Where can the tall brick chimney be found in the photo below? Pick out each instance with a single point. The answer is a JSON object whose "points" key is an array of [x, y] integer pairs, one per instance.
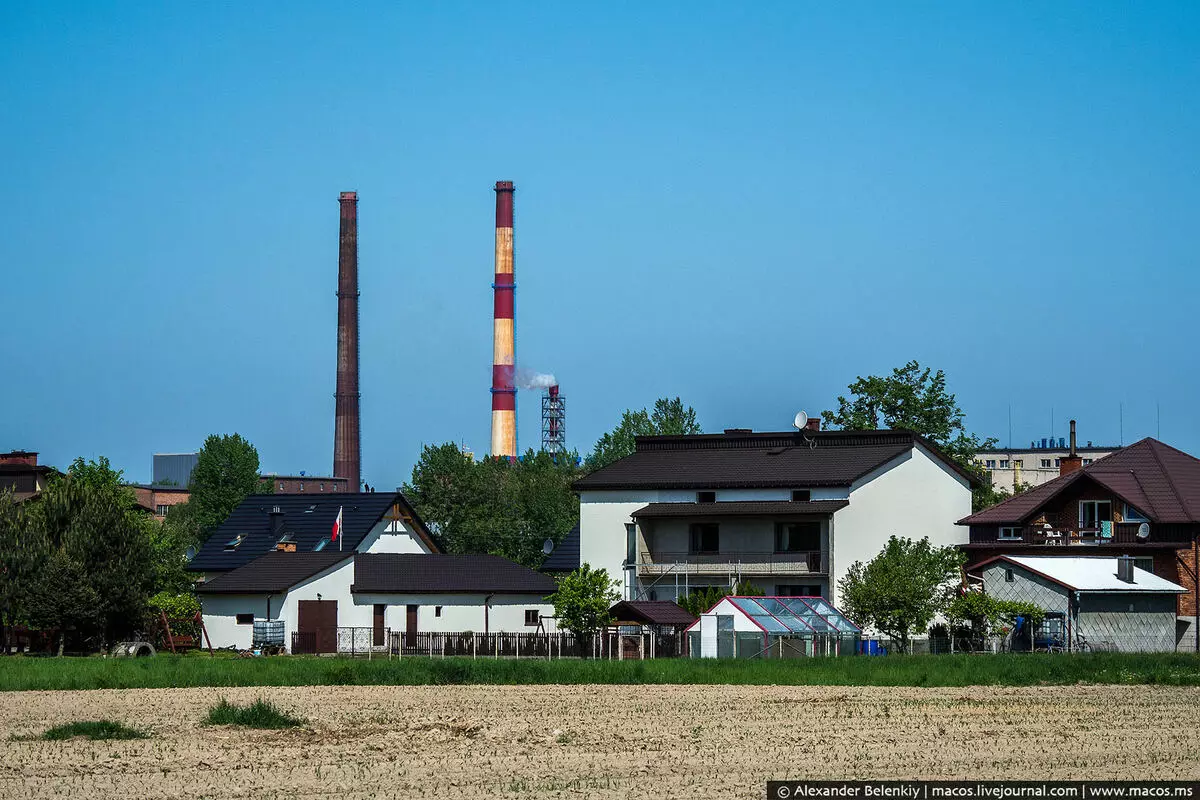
{"points": [[347, 449], [1072, 461]]}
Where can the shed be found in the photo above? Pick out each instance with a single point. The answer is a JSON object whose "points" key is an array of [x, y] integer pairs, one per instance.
{"points": [[1092, 602], [772, 627]]}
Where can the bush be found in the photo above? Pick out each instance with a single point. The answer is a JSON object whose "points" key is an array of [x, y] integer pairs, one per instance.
{"points": [[99, 729], [259, 714]]}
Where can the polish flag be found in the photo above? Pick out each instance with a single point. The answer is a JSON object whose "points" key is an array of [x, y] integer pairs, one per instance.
{"points": [[337, 529]]}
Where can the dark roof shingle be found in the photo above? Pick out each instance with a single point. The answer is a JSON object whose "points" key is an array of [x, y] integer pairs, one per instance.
{"points": [[1160, 481], [273, 573], [651, 612], [741, 460], [309, 518], [404, 573], [565, 557]]}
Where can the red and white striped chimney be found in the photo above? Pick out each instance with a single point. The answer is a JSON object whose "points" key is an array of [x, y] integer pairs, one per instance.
{"points": [[504, 394]]}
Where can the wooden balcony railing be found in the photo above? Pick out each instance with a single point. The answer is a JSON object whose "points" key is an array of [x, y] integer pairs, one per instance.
{"points": [[1123, 533]]}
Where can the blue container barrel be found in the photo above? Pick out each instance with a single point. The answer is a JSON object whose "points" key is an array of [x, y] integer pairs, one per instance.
{"points": [[869, 647]]}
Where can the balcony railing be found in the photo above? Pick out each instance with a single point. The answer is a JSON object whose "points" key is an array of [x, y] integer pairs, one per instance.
{"points": [[808, 562], [1122, 533]]}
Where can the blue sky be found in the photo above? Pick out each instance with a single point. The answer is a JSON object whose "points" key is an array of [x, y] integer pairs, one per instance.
{"points": [[746, 205]]}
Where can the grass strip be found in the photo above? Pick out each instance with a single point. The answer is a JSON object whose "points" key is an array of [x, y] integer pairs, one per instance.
{"points": [[103, 729]]}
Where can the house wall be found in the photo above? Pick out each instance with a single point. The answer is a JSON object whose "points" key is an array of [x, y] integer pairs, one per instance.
{"points": [[913, 496], [392, 537], [602, 519], [708, 626], [460, 612], [738, 535], [1026, 587], [1127, 621], [220, 617]]}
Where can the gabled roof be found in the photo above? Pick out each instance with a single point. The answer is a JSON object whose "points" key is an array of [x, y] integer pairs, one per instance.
{"points": [[309, 518], [1156, 479], [651, 612], [1087, 573], [565, 557], [743, 508], [273, 573], [405, 573], [795, 459]]}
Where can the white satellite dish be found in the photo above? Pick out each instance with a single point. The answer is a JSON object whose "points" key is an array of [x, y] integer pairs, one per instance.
{"points": [[189, 554], [800, 421], [548, 547], [1143, 531]]}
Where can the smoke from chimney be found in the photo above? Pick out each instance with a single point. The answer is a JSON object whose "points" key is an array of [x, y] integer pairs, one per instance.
{"points": [[347, 448], [526, 379]]}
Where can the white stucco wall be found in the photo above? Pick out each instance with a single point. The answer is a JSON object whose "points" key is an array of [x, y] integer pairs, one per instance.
{"points": [[913, 496], [602, 519], [392, 537]]}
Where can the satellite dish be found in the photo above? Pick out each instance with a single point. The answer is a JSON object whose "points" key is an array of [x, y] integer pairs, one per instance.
{"points": [[190, 553], [548, 546], [800, 421], [1143, 531]]}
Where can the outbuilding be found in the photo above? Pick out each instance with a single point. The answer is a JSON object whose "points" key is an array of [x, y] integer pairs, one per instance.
{"points": [[772, 627], [1091, 602]]}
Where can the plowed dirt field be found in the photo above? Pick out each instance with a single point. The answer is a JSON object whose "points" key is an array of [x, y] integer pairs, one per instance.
{"points": [[591, 741]]}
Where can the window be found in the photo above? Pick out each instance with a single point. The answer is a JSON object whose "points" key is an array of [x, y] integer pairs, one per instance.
{"points": [[302, 487], [1093, 512], [630, 544], [797, 537], [1010, 533], [1008, 576], [532, 617], [1045, 463], [437, 611], [1004, 463], [801, 495], [161, 510], [799, 590], [990, 463], [281, 486], [706, 497], [233, 543], [1018, 463], [245, 619], [1087, 461], [1131, 514], [1057, 462], [321, 545], [322, 487], [705, 537]]}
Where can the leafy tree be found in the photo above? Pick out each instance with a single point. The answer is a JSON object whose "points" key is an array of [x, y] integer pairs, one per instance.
{"points": [[989, 616], [915, 398], [22, 552], [506, 507], [583, 599], [169, 542], [901, 590], [226, 473], [64, 600], [669, 418], [701, 600]]}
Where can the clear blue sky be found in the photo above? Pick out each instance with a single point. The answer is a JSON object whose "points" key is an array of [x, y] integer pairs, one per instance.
{"points": [[746, 205]]}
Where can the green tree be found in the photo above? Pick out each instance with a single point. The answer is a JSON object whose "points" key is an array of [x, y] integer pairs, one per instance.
{"points": [[701, 600], [988, 616], [506, 507], [670, 417], [226, 473], [583, 599], [901, 590], [22, 555], [170, 541], [915, 398]]}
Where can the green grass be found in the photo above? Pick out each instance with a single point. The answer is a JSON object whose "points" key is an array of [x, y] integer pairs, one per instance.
{"points": [[99, 729], [259, 714], [1174, 669]]}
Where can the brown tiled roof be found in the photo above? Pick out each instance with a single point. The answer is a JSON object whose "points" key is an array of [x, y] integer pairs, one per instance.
{"points": [[651, 612], [747, 508], [1158, 480], [404, 573], [275, 572], [794, 459]]}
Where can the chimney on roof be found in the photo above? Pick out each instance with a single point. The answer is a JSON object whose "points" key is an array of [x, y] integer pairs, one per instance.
{"points": [[276, 526], [813, 424], [1071, 462], [19, 457], [1125, 569]]}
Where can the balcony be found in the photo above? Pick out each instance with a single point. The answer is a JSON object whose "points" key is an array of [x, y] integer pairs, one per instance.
{"points": [[1076, 535], [813, 562]]}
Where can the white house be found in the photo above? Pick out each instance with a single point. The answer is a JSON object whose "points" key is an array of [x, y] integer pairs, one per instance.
{"points": [[275, 559], [788, 512]]}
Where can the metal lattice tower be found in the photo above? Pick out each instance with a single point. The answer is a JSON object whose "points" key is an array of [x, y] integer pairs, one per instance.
{"points": [[554, 421]]}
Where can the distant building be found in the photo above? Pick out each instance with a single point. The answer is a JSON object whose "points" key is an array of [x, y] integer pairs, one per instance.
{"points": [[159, 499], [307, 484], [1036, 464], [174, 469], [21, 474]]}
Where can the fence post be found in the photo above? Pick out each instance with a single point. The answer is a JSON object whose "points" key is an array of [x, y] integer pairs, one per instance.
{"points": [[518, 645], [473, 640]]}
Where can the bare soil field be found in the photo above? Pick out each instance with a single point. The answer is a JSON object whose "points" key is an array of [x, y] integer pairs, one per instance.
{"points": [[591, 741]]}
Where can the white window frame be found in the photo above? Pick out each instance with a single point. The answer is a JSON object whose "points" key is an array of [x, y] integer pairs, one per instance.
{"points": [[1045, 464], [990, 463], [1004, 463], [1010, 537], [1083, 503]]}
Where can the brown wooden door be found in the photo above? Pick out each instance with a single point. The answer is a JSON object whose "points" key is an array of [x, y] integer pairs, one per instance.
{"points": [[318, 619], [377, 626], [410, 629]]}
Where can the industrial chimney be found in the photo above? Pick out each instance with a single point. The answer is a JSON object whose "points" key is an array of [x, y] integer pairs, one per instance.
{"points": [[347, 449], [504, 394], [1071, 462]]}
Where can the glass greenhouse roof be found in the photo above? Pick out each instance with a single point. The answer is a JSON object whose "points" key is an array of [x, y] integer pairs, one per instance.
{"points": [[798, 615]]}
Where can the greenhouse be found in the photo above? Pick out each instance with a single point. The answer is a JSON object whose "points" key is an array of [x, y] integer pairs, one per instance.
{"points": [[772, 627]]}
